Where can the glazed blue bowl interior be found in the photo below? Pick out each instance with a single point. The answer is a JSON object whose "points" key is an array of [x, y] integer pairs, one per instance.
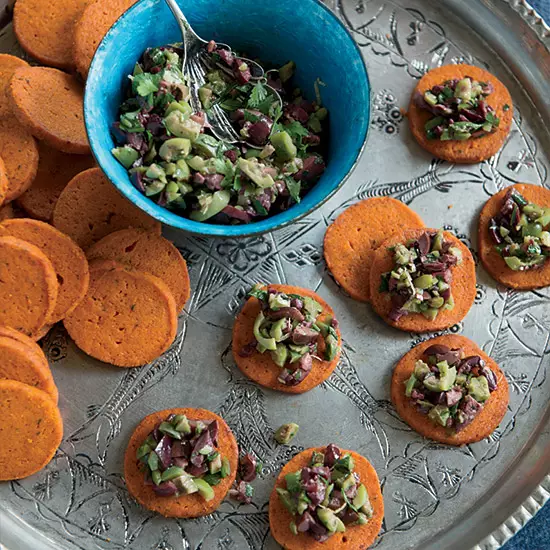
{"points": [[275, 31]]}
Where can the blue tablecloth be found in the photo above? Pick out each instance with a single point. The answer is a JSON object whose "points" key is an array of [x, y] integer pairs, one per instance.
{"points": [[536, 534]]}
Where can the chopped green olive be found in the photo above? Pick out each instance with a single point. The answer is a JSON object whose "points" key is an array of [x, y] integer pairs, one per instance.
{"points": [[220, 199]]}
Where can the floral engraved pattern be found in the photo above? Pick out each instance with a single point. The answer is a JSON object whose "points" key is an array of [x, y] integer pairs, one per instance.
{"points": [[244, 252], [519, 383], [80, 499], [449, 476], [407, 508]]}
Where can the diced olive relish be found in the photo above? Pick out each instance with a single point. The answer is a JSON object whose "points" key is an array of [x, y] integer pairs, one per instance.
{"points": [[290, 327], [173, 158], [450, 387], [180, 457], [286, 433], [247, 472], [421, 277], [327, 496], [521, 232], [460, 110]]}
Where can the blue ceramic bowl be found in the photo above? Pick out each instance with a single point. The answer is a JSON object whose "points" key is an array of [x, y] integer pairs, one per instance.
{"points": [[274, 30]]}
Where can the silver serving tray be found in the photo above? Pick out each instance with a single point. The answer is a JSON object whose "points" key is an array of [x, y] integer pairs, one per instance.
{"points": [[436, 497]]}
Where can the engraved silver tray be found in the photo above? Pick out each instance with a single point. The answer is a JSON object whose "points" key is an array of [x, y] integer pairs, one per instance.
{"points": [[436, 497]]}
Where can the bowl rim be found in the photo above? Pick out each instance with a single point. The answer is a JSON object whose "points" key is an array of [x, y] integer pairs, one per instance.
{"points": [[164, 215]]}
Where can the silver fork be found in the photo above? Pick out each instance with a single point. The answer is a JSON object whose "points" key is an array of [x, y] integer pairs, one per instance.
{"points": [[195, 65]]}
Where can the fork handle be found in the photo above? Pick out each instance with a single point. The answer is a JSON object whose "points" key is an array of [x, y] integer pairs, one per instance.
{"points": [[187, 33]]}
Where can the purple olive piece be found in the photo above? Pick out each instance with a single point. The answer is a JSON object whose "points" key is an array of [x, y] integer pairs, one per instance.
{"points": [[265, 199], [165, 489], [197, 471], [313, 168], [472, 116], [137, 181], [315, 491], [237, 213], [231, 154], [156, 434], [487, 88], [462, 118], [181, 449], [351, 491], [297, 303], [453, 396], [280, 186], [491, 378], [275, 83], [449, 260], [494, 231], [164, 451], [311, 139], [445, 274], [332, 454], [304, 335], [238, 116], [138, 142], [416, 395], [305, 363], [295, 112], [317, 529], [438, 131], [259, 132], [424, 243], [213, 181], [180, 462], [214, 430], [436, 349], [469, 408], [198, 178], [445, 294], [431, 267], [419, 101], [155, 125], [204, 440], [306, 475], [304, 522], [238, 492], [336, 500], [453, 102], [452, 357], [323, 471], [482, 108], [247, 467], [396, 313], [468, 363], [438, 398], [242, 77], [291, 312], [226, 56], [442, 110], [162, 200], [348, 516]]}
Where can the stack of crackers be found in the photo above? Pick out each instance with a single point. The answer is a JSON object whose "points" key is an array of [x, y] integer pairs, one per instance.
{"points": [[72, 249]]}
